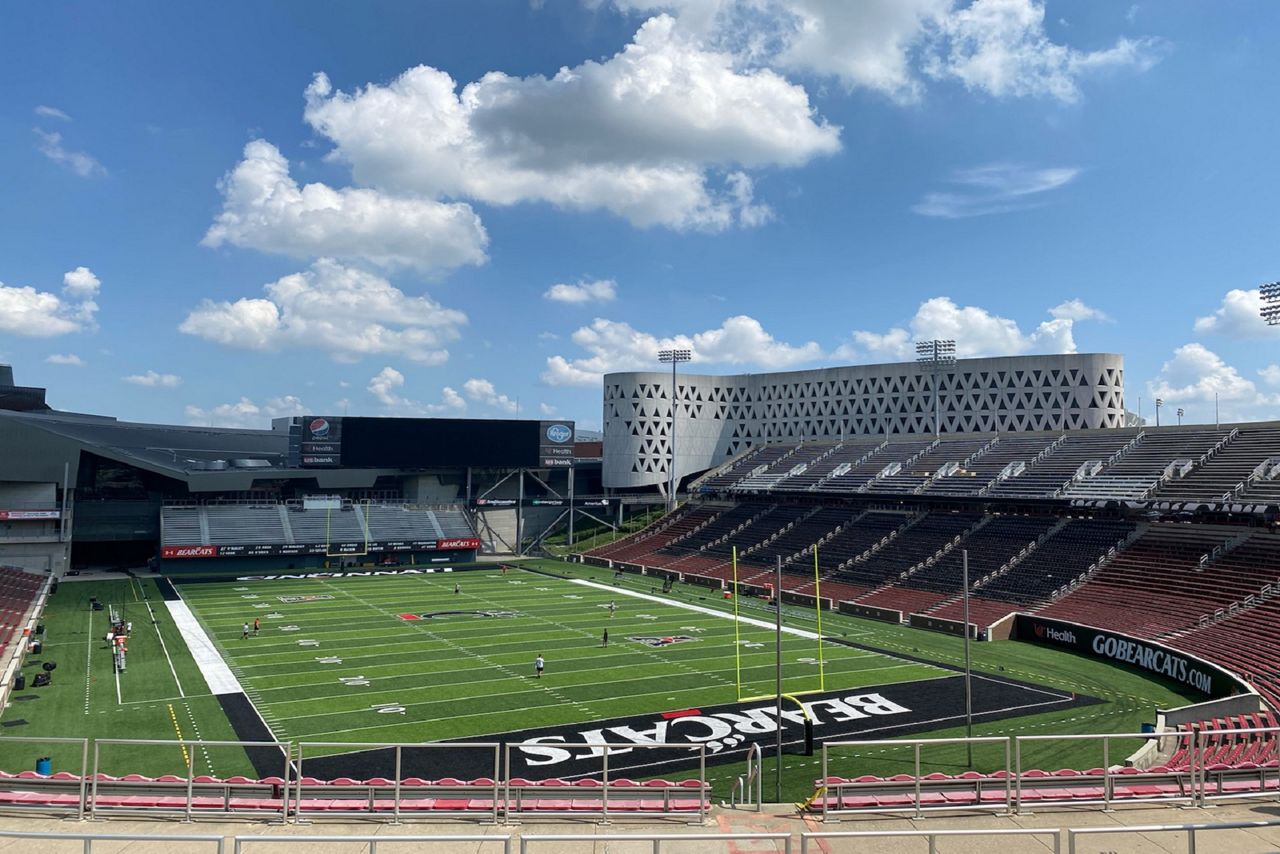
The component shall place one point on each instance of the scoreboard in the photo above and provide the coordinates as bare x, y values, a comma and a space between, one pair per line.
325, 441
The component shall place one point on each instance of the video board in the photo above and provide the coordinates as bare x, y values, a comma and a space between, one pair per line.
356, 442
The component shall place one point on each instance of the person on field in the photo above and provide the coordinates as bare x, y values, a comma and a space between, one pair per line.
257, 625
605, 640
538, 664
613, 606
456, 588
245, 633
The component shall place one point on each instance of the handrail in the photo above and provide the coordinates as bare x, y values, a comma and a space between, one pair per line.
372, 841
932, 835
89, 838
658, 838
1189, 829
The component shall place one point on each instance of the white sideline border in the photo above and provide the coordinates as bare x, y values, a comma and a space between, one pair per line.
210, 662
711, 612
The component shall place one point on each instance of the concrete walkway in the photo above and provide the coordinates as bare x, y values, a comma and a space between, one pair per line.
773, 819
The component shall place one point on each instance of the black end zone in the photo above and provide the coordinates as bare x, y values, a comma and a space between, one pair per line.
566, 752
248, 726
167, 590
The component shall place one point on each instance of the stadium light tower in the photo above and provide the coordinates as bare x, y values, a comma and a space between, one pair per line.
1159, 403
1270, 303
1180, 414
675, 357
936, 357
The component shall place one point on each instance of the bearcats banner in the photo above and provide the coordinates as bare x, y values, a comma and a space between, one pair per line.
1148, 655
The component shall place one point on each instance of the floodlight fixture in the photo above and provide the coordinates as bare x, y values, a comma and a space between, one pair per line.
1270, 309
936, 356
675, 357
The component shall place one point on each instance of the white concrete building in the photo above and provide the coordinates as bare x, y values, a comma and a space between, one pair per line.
718, 417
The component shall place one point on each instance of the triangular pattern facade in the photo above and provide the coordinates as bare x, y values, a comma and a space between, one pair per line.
719, 417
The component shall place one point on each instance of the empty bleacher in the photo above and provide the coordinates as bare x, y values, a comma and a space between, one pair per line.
1047, 476
1136, 472
946, 454
1226, 473
983, 470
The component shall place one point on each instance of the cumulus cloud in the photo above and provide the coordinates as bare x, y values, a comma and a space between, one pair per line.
616, 346
245, 413
601, 290
265, 209
976, 331
345, 312
1195, 374
1076, 309
47, 112
152, 379
656, 134
997, 47
546, 410
993, 189
83, 164
65, 359
1270, 374
43, 314
482, 391
386, 385
1238, 317
1000, 47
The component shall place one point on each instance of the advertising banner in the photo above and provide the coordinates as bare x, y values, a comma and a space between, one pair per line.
27, 515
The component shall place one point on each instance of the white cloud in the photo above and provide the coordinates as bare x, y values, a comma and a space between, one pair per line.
546, 410
245, 413
648, 134
386, 386
1270, 374
616, 346
1238, 317
1076, 309
483, 391
152, 379
345, 312
47, 112
1195, 374
265, 209
601, 290
81, 283
42, 314
50, 145
976, 331
993, 189
1000, 47
65, 359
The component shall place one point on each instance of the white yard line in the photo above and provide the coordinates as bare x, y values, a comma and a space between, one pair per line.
210, 662
155, 627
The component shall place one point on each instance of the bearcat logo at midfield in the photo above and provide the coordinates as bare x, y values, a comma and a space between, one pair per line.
445, 615
654, 641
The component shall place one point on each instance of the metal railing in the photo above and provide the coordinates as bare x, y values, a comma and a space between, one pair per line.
749, 785
916, 744
88, 839
1109, 776
397, 777
84, 760
1190, 829
603, 750
932, 835
374, 842
189, 748
658, 838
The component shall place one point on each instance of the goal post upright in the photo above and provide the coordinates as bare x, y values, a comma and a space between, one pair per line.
817, 599
737, 636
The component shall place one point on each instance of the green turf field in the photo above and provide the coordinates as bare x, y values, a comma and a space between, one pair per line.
471, 676
466, 676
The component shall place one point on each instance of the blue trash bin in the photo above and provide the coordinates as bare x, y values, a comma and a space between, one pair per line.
44, 765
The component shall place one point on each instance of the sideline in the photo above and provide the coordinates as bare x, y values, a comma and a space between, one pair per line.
207, 658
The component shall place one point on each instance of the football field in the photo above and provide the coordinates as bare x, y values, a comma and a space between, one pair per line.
405, 658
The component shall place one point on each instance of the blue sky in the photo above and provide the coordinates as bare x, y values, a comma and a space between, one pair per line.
221, 213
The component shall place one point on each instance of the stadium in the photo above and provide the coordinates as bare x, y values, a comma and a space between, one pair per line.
957, 587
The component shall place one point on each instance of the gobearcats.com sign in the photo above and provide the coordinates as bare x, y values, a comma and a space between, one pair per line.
1103, 644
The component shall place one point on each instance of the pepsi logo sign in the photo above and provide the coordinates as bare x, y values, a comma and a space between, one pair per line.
318, 427
559, 433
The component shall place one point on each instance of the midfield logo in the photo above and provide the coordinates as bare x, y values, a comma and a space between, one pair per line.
654, 641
